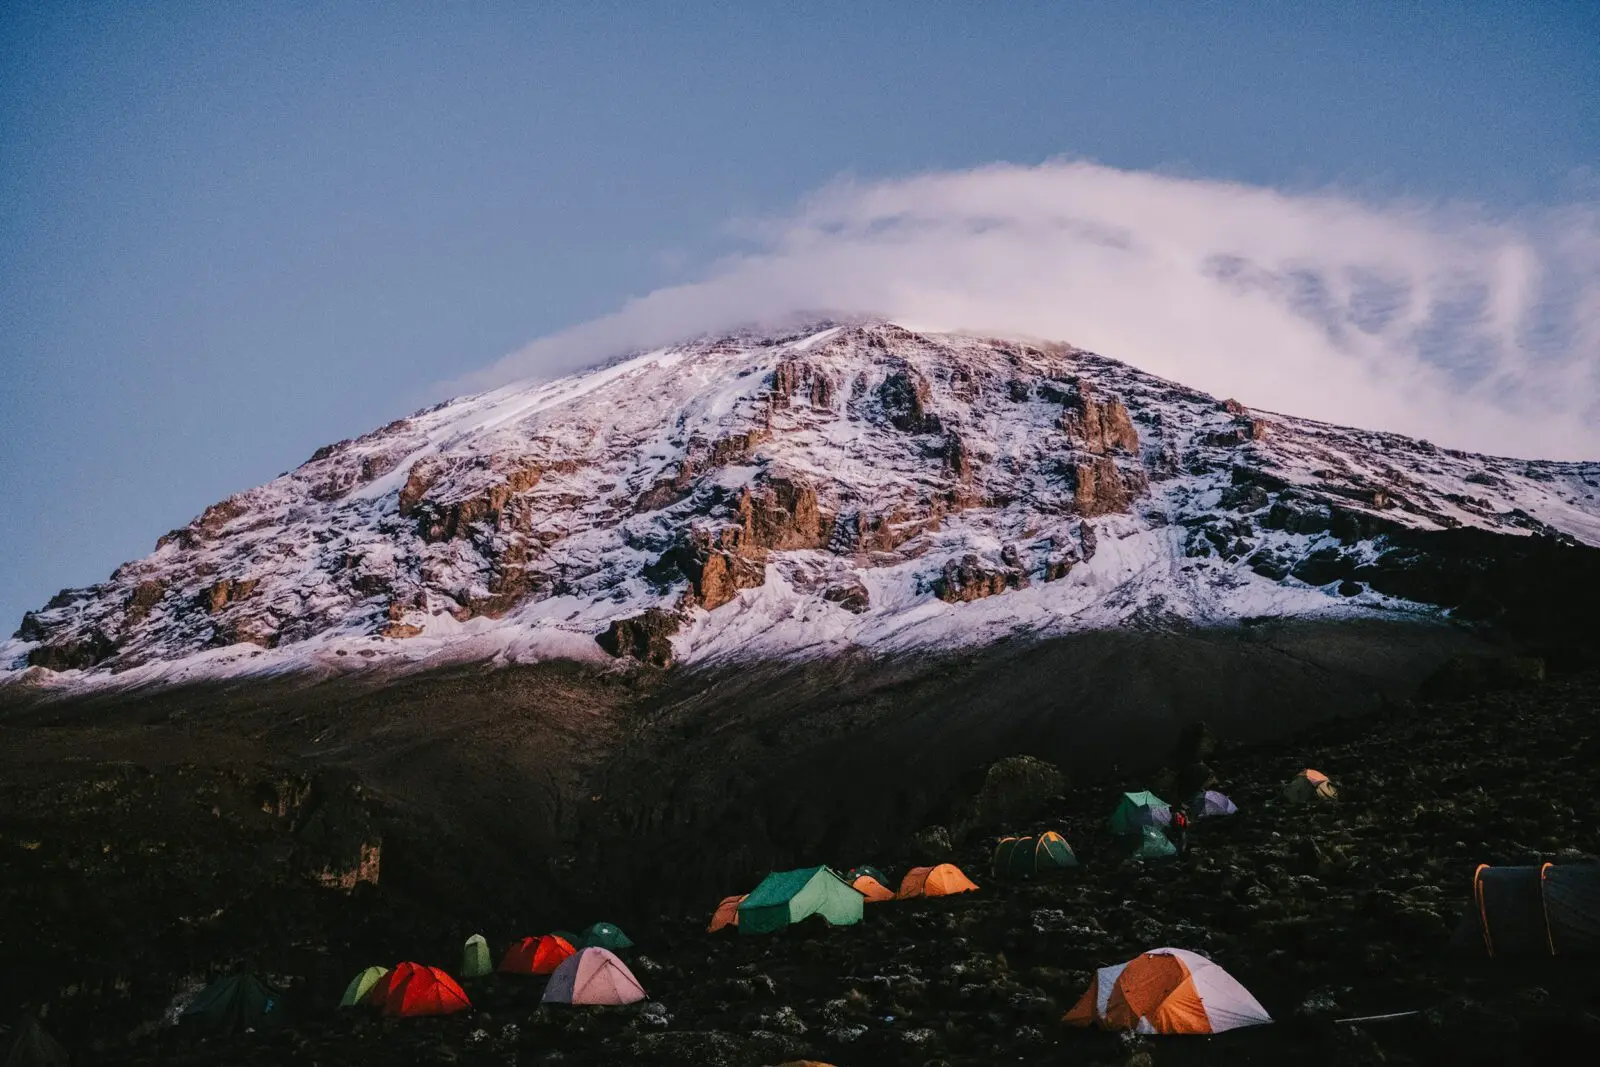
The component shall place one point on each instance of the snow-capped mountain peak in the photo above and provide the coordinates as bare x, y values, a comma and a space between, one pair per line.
842, 486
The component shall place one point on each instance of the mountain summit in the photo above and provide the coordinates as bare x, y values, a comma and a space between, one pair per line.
843, 487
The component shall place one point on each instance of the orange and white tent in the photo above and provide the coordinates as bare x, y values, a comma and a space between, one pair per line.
727, 913
940, 881
1167, 991
1308, 786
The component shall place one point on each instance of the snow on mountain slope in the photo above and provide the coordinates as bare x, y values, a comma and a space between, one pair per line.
854, 485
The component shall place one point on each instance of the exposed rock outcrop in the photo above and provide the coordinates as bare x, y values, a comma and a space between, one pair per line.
973, 579
80, 654
1098, 426
905, 396
646, 637
1100, 487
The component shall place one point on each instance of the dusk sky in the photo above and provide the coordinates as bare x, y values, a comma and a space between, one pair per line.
230, 233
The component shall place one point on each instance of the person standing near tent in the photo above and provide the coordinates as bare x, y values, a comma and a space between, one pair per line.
1178, 830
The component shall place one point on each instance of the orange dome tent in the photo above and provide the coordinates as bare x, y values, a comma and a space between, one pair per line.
1309, 786
1167, 991
727, 913
536, 955
940, 881
412, 989
875, 891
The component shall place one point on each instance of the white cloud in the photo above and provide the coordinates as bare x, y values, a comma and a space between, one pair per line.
1439, 320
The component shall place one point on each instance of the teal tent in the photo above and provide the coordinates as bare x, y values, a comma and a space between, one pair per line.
35, 1048
361, 985
1024, 857
786, 897
233, 1005
1138, 811
475, 961
1151, 844
604, 935
867, 871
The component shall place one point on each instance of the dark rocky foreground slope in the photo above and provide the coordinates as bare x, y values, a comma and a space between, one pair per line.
145, 844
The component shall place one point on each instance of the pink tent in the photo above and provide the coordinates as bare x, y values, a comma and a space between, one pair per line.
593, 976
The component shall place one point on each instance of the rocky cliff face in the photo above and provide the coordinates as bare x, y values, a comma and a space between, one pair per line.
844, 486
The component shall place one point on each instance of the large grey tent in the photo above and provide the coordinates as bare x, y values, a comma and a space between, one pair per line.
35, 1048
1549, 910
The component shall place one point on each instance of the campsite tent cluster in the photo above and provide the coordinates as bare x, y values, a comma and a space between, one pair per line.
787, 897
1543, 910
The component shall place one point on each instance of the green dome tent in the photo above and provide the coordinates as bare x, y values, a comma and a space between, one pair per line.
786, 897
1024, 857
233, 1005
35, 1048
604, 935
361, 985
1138, 811
1151, 844
475, 961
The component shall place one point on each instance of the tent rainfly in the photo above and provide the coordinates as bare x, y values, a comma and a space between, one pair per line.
1024, 857
870, 883
1136, 811
1151, 844
536, 955
361, 985
726, 915
35, 1048
413, 989
942, 881
593, 976
1309, 786
1210, 804
234, 1005
1167, 991
608, 936
475, 961
787, 897
1549, 910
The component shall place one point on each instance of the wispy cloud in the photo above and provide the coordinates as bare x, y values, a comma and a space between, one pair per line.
1447, 321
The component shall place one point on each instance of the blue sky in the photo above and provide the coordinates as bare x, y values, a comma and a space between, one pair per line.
232, 233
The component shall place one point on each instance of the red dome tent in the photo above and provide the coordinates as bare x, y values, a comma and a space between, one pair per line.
412, 989
536, 955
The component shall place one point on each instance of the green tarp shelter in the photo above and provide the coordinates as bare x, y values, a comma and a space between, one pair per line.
35, 1048
786, 897
475, 961
1151, 844
233, 1005
1136, 811
1024, 857
604, 935
361, 985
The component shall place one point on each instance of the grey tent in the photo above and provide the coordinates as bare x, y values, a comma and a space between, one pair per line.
1549, 910
1209, 804
35, 1048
